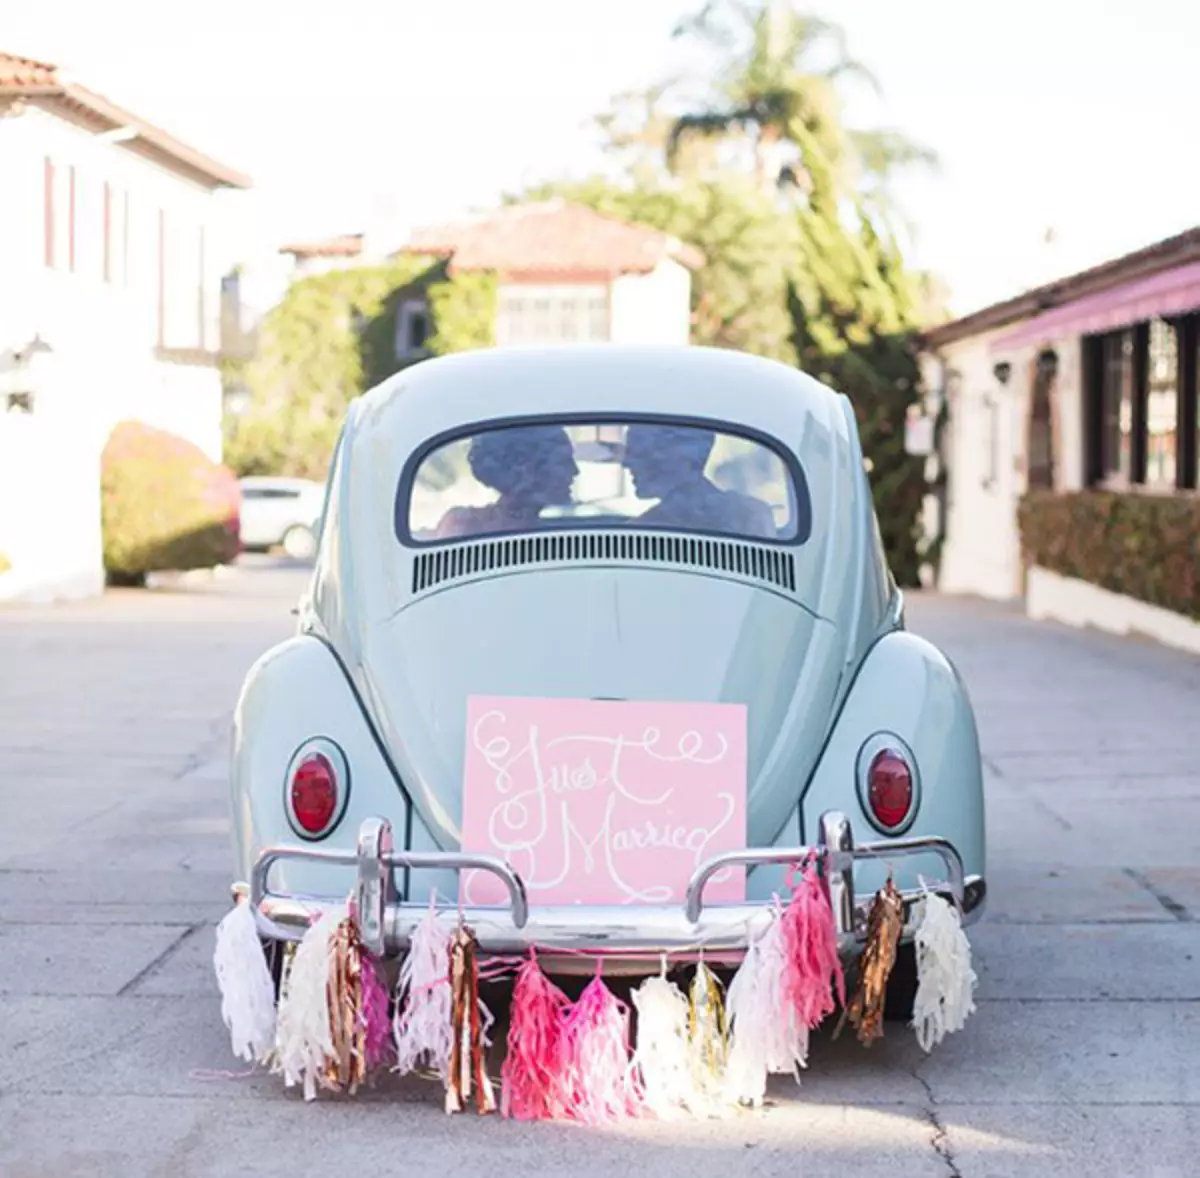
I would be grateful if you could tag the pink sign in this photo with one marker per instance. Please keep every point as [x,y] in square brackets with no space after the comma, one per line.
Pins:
[599,802]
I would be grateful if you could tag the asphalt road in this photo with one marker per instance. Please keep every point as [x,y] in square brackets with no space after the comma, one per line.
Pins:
[1083,1058]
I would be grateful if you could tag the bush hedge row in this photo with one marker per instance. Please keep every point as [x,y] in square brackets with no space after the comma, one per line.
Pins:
[1144,546]
[164,505]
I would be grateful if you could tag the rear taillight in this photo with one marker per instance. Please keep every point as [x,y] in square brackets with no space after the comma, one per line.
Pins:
[889,789]
[316,789]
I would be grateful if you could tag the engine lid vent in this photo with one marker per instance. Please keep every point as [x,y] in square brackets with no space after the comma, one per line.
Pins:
[752,562]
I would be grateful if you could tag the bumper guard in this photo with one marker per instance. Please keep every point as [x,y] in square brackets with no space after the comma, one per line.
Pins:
[567,936]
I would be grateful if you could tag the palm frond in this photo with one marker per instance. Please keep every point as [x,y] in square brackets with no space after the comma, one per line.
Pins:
[884,152]
[707,125]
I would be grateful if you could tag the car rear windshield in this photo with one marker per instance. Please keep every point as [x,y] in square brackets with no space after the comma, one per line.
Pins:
[652,474]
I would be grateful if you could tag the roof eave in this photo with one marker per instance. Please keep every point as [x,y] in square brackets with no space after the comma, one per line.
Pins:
[199,166]
[220,174]
[1161,255]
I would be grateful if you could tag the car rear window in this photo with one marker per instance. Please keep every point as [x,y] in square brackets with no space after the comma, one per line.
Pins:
[667,474]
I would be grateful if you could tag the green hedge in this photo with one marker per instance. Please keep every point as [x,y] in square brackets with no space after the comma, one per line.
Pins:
[1144,546]
[164,505]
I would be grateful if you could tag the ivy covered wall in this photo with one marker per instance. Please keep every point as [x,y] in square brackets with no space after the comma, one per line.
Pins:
[332,337]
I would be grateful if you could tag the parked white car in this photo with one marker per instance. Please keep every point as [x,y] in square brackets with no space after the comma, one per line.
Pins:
[281,512]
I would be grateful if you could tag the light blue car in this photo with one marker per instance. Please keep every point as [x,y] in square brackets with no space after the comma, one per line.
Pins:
[592,527]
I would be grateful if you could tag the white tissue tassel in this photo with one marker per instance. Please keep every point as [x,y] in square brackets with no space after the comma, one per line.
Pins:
[661,1054]
[764,1038]
[945,979]
[302,1037]
[423,1023]
[247,992]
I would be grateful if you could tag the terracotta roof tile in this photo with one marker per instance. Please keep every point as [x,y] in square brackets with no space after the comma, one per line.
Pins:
[550,238]
[23,73]
[23,77]
[348,245]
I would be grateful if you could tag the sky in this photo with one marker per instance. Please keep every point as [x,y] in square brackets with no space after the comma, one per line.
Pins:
[1070,115]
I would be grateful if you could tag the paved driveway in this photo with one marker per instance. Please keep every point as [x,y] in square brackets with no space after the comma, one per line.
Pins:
[1084,1057]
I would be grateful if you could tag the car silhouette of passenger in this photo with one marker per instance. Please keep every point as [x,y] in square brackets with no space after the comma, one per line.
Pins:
[532,467]
[667,463]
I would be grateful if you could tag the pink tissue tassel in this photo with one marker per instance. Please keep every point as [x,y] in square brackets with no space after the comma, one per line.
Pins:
[811,952]
[598,1077]
[375,1014]
[532,1076]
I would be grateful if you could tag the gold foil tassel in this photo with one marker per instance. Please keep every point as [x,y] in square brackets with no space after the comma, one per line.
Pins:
[865,1009]
[346,1069]
[467,1066]
[707,1037]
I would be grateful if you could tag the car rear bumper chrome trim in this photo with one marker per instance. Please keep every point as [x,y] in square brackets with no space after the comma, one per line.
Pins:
[568,937]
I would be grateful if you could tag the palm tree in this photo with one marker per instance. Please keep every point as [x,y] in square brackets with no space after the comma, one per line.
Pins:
[772,90]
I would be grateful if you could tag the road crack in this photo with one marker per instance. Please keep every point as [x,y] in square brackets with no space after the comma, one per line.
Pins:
[153,967]
[1168,902]
[940,1138]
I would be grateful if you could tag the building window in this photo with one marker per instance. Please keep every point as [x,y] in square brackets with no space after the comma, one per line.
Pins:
[108,243]
[1141,395]
[49,228]
[124,238]
[201,306]
[412,330]
[1116,407]
[552,314]
[71,219]
[162,279]
[1162,405]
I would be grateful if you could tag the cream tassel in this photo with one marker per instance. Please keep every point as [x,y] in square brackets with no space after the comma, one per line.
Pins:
[662,1057]
[303,1041]
[766,1035]
[247,992]
[422,1025]
[945,979]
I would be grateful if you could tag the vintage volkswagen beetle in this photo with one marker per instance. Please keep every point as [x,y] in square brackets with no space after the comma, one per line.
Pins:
[429,587]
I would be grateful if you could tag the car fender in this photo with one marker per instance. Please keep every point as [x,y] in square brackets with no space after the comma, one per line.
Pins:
[294,692]
[906,687]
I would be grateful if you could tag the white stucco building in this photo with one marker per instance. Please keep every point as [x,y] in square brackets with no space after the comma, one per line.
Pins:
[566,274]
[1086,382]
[113,244]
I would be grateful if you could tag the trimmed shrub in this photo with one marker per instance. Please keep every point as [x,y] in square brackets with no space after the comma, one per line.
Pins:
[165,505]
[1144,546]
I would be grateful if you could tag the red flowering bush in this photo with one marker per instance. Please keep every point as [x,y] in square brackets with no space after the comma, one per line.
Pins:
[164,505]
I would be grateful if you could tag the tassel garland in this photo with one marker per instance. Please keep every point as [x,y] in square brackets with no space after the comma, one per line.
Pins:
[662,1058]
[702,1052]
[469,1039]
[875,965]
[533,1063]
[945,978]
[247,992]
[422,1026]
[599,1084]
[812,966]
[767,1036]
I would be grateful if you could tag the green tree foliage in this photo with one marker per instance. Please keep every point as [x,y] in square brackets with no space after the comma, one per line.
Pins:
[739,293]
[329,339]
[854,308]
[793,212]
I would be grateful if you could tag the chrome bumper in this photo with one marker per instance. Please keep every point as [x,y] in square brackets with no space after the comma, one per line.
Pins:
[568,937]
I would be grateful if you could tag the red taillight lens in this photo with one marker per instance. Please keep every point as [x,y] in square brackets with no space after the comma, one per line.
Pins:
[889,788]
[314,793]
